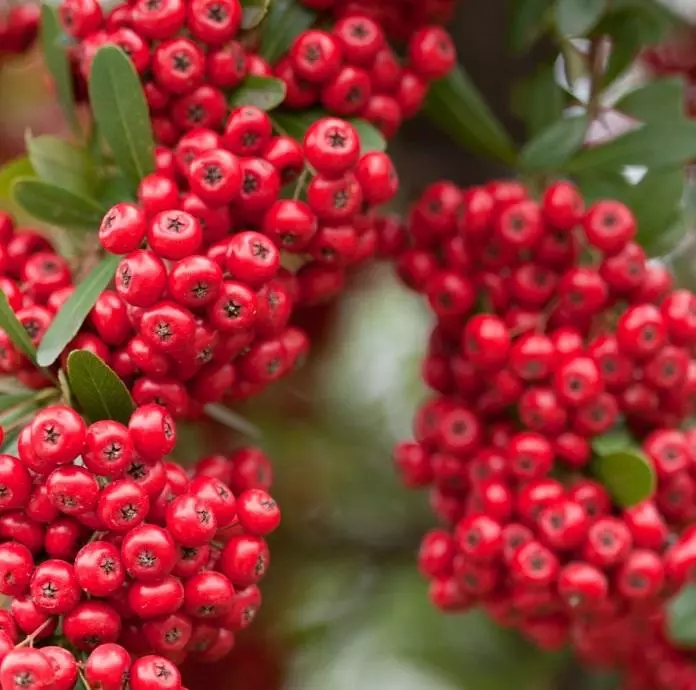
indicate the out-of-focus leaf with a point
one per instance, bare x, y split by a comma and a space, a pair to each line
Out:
266, 93
284, 21
458, 108
577, 17
539, 100
14, 329
661, 100
681, 617
527, 22
253, 12
61, 163
13, 170
555, 145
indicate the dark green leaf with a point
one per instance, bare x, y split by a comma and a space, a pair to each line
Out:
254, 12
527, 22
14, 329
655, 202
658, 101
57, 206
681, 617
114, 189
457, 107
623, 470
295, 125
100, 393
605, 184
11, 171
8, 401
61, 163
263, 92
555, 145
577, 17
539, 100
121, 112
284, 21
71, 315
56, 60
653, 145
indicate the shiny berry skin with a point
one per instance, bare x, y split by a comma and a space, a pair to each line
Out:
315, 56
257, 512
169, 634
609, 226
436, 553
178, 65
107, 666
377, 178
158, 598
582, 586
140, 278
15, 483
148, 553
247, 131
431, 52
290, 224
245, 560
57, 434
348, 92
335, 200
16, 568
218, 496
152, 431
99, 569
562, 205
64, 667
216, 177
534, 565
577, 381
252, 258
360, 39
191, 521
332, 146
208, 595
529, 455
158, 21
641, 331
563, 525
73, 490
25, 668
641, 575
154, 673
174, 234
167, 327
608, 542
214, 21
108, 448
486, 341
226, 67
479, 538
54, 587
122, 505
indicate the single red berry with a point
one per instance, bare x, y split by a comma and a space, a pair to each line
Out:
431, 52
534, 565
348, 92
54, 587
108, 448
178, 65
16, 568
608, 542
167, 327
154, 673
25, 668
290, 224
245, 560
216, 177
208, 595
64, 667
257, 512
562, 205
148, 553
608, 226
15, 483
479, 538
582, 586
486, 341
140, 278
98, 569
641, 575
156, 599
260, 185
107, 666
247, 131
286, 156
122, 505
226, 67
73, 490
152, 431
174, 234
58, 435
563, 525
169, 634
158, 20
316, 56
332, 146
252, 258
641, 331
191, 520
360, 38
679, 314
214, 21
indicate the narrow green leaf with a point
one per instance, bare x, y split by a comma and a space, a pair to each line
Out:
652, 145
61, 163
121, 112
577, 17
7, 402
624, 471
538, 100
253, 12
527, 22
457, 107
57, 206
263, 92
114, 189
658, 101
11, 171
296, 125
554, 145
284, 21
71, 315
14, 329
100, 393
681, 617
56, 60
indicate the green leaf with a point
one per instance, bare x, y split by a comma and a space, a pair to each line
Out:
61, 163
681, 617
555, 145
623, 469
652, 145
655, 202
57, 206
284, 21
457, 107
296, 125
71, 315
658, 101
539, 100
114, 189
253, 12
7, 402
14, 329
11, 171
100, 393
121, 112
263, 92
56, 60
527, 22
577, 17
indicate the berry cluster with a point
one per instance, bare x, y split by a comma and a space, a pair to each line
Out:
124, 553
19, 24
351, 70
35, 281
399, 18
201, 310
551, 330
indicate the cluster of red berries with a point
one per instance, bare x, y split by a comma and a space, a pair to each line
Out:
551, 329
201, 307
123, 554
19, 25
351, 70
35, 281
399, 18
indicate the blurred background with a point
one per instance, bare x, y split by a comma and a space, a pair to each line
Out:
344, 607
